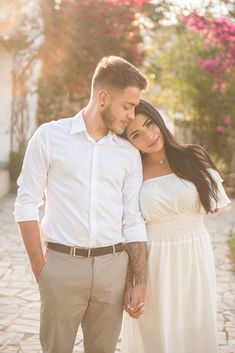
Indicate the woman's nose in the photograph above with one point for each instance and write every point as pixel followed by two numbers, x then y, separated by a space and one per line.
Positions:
pixel 149 136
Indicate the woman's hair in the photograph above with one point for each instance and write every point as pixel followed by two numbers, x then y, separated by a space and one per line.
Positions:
pixel 190 162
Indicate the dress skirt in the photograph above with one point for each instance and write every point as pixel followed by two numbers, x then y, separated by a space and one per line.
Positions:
pixel 180 305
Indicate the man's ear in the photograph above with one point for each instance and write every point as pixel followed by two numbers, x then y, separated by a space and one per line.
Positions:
pixel 103 97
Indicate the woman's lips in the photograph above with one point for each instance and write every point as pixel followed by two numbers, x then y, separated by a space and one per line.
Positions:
pixel 155 141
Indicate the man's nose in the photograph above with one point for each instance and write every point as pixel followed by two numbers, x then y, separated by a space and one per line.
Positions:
pixel 131 114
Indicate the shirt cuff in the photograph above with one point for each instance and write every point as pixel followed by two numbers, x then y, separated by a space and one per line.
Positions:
pixel 27 212
pixel 135 233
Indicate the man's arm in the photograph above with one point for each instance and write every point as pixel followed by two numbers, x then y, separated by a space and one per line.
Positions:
pixel 135 234
pixel 32 182
pixel 136 311
pixel 137 252
pixel 129 278
pixel 30 232
pixel 137 276
pixel 128 288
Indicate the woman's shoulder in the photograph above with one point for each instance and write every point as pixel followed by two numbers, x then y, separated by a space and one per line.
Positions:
pixel 216 175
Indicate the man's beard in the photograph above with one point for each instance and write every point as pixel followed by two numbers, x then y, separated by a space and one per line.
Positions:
pixel 109 118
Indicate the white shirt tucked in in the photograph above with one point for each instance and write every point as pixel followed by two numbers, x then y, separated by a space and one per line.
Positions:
pixel 91 188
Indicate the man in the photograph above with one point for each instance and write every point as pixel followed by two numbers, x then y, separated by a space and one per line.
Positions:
pixel 91 180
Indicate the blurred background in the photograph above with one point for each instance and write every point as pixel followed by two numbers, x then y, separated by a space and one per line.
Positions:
pixel 49 49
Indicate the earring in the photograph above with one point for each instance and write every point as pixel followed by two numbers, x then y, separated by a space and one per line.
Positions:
pixel 102 105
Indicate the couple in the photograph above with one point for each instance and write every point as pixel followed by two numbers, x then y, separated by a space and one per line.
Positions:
pixel 95 236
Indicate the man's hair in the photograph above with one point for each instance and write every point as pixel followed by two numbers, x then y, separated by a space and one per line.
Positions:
pixel 116 72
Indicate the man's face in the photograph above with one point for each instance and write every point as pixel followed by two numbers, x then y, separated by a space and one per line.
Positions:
pixel 120 110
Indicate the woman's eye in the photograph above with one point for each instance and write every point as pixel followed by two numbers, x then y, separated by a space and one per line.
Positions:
pixel 135 136
pixel 149 122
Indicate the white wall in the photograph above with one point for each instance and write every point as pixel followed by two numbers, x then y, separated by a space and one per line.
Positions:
pixel 5 117
pixel 5 103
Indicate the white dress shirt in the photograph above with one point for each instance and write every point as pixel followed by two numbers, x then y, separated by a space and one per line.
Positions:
pixel 91 188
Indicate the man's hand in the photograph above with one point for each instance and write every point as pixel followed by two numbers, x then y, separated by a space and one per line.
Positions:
pixel 37 270
pixel 134 300
pixel 30 232
pixel 137 295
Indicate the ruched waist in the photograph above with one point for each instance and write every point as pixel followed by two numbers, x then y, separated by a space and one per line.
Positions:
pixel 182 226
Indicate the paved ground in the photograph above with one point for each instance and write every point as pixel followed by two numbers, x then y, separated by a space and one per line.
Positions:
pixel 19 308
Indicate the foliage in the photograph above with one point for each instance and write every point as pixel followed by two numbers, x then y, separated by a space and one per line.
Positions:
pixel 15 164
pixel 219 43
pixel 185 63
pixel 21 33
pixel 78 34
pixel 219 62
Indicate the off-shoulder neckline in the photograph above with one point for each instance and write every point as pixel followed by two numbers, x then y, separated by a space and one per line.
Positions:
pixel 159 177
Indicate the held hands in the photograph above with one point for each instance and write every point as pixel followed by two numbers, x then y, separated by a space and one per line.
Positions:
pixel 134 300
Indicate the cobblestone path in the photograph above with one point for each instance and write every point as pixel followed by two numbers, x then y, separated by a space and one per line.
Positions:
pixel 19 299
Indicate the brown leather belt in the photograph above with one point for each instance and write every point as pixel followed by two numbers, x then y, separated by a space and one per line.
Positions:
pixel 86 252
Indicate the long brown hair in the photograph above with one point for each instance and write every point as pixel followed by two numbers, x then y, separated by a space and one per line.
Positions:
pixel 189 162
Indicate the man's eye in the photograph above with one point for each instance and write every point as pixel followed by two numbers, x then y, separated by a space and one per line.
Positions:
pixel 129 107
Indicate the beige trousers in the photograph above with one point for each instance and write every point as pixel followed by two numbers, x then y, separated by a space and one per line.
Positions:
pixel 86 291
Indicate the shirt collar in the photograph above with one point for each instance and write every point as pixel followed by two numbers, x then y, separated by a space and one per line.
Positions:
pixel 78 125
pixel 113 136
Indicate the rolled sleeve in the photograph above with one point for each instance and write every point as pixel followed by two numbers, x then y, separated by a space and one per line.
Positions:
pixel 133 223
pixel 33 177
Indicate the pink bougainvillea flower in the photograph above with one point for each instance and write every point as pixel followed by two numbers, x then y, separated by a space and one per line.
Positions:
pixel 221 129
pixel 228 120
pixel 209 64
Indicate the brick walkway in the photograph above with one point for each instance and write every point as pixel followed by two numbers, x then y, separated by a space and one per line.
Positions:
pixel 19 308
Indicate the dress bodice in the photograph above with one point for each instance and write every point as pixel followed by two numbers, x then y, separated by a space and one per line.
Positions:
pixel 168 195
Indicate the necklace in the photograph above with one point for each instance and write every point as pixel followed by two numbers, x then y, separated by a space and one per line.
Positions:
pixel 161 161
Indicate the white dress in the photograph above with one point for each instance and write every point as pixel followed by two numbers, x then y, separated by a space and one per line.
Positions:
pixel 180 305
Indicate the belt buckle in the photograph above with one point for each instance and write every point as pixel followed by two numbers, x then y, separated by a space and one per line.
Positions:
pixel 74 248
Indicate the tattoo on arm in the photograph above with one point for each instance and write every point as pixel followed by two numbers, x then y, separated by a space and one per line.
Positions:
pixel 129 277
pixel 137 269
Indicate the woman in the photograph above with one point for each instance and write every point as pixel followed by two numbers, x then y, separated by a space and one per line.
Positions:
pixel 180 185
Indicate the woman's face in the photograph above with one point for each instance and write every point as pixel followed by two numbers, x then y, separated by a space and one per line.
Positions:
pixel 144 134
